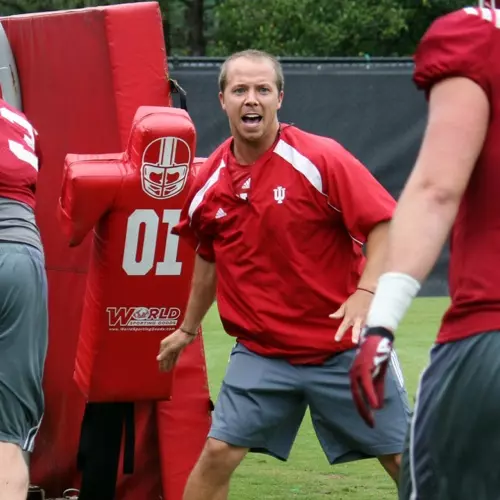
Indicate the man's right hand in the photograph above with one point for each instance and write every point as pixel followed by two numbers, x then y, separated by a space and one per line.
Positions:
pixel 368 371
pixel 171 348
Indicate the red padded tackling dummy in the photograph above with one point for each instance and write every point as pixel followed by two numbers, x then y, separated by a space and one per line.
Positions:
pixel 83 74
pixel 137 286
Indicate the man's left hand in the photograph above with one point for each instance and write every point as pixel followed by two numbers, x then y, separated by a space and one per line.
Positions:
pixel 353 311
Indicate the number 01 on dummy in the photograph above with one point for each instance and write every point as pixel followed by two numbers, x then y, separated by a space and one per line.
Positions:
pixel 139 276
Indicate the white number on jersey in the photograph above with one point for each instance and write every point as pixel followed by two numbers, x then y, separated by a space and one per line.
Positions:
pixel 135 266
pixel 18 149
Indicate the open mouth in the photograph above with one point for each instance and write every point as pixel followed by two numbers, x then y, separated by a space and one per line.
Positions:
pixel 251 118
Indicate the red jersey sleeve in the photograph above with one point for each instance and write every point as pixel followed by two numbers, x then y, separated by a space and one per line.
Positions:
pixel 457 44
pixel 354 192
pixel 205 250
pixel 189 227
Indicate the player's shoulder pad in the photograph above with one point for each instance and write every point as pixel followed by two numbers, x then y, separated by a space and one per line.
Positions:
pixel 456 44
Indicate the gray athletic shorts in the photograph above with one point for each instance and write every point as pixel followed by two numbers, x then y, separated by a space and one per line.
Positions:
pixel 23 342
pixel 263 400
pixel 453 448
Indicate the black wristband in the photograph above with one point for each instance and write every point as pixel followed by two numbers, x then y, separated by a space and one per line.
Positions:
pixel 380 331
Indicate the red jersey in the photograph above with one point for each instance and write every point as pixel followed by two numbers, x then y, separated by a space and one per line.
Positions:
pixel 19 158
pixel 287 240
pixel 467 43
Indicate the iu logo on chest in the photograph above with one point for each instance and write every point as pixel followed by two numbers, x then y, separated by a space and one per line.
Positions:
pixel 279 194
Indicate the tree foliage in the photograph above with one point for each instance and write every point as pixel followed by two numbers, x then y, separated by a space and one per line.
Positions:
pixel 308 27
pixel 283 27
pixel 326 27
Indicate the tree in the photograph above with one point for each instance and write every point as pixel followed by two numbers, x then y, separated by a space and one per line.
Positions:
pixel 283 27
pixel 325 27
pixel 185 26
pixel 419 15
pixel 185 21
pixel 188 25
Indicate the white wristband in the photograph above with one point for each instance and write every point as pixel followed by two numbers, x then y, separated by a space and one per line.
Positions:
pixel 394 294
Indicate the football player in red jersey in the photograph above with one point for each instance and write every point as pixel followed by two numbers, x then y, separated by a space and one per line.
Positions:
pixel 23 302
pixel 454 441
pixel 278 217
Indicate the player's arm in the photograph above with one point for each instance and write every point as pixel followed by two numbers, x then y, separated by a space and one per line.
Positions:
pixel 192 229
pixel 452 66
pixel 376 246
pixel 203 284
pixel 366 208
pixel 456 129
pixel 201 297
pixel 202 294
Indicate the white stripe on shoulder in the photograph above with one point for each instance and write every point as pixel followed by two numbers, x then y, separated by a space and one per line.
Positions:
pixel 307 168
pixel 198 197
pixel 485 13
pixel 299 162
pixel 473 11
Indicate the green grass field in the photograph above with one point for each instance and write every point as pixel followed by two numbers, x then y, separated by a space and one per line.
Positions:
pixel 307 474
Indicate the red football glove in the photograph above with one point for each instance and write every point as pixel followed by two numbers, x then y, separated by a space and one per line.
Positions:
pixel 368 371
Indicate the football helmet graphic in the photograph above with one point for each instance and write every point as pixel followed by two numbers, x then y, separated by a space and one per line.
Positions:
pixel 164 168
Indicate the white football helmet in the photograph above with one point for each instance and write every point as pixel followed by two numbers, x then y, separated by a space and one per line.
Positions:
pixel 165 164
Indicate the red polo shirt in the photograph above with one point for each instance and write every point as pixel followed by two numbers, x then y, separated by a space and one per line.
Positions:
pixel 286 234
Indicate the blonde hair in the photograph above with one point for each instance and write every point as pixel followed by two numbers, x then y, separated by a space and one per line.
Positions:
pixel 252 54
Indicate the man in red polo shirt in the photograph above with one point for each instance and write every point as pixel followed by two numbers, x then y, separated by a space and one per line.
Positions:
pixel 279 218
pixel 454 443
